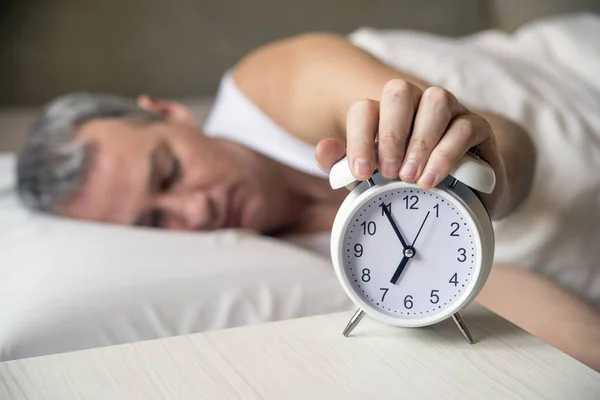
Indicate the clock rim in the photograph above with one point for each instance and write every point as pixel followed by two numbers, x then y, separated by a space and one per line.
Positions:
pixel 461 197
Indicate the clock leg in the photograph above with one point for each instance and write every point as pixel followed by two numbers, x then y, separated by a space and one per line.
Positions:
pixel 354 322
pixel 462 327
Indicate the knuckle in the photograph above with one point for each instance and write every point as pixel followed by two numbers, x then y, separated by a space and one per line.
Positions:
pixel 389 139
pixel 438 96
pixel 419 146
pixel 362 105
pixel 468 129
pixel 390 147
pixel 443 158
pixel 482 126
pixel 397 88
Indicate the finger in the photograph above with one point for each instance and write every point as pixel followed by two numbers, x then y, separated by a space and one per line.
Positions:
pixel 399 101
pixel 436 109
pixel 464 132
pixel 328 152
pixel 361 127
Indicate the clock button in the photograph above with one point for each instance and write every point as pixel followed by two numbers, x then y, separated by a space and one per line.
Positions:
pixel 475 173
pixel 341 175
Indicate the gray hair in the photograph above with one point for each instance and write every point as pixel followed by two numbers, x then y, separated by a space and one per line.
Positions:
pixel 50 165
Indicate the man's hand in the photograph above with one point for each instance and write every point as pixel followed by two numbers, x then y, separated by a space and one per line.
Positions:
pixel 309 85
pixel 419 135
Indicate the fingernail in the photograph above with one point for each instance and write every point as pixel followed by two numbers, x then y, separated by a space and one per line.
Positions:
pixel 389 168
pixel 362 168
pixel 408 171
pixel 427 179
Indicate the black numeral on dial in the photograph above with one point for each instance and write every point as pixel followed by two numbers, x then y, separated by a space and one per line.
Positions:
pixel 385 207
pixel 455 225
pixel 358 250
pixel 411 202
pixel 454 279
pixel 366 275
pixel 462 255
pixel 385 290
pixel 433 297
pixel 369 227
pixel 408 304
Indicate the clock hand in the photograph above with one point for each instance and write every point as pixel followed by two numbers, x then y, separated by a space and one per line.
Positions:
pixel 388 214
pixel 422 224
pixel 399 270
pixel 409 251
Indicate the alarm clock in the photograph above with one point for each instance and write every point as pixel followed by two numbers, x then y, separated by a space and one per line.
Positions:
pixel 411 257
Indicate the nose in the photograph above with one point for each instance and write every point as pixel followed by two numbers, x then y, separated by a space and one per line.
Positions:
pixel 191 211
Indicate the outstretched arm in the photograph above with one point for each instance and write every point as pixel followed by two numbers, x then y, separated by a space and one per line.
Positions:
pixel 545 310
pixel 319 86
pixel 325 91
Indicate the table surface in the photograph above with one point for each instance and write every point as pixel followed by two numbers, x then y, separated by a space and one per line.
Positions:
pixel 309 358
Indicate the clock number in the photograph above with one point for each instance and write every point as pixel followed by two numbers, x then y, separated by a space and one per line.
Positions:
pixel 385 207
pixel 437 210
pixel 385 290
pixel 369 228
pixel 463 255
pixel 456 225
pixel 434 295
pixel 408 304
pixel 358 250
pixel 414 199
pixel 454 279
pixel 366 275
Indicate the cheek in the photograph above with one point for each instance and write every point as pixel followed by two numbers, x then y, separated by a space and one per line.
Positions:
pixel 198 166
pixel 263 211
pixel 199 174
pixel 175 225
pixel 206 171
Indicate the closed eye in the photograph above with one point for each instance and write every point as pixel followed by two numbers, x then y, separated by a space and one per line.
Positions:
pixel 173 176
pixel 151 219
pixel 156 219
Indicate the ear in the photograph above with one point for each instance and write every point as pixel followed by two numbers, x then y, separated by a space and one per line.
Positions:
pixel 172 110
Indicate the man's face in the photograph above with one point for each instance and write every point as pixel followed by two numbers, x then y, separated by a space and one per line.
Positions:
pixel 168 174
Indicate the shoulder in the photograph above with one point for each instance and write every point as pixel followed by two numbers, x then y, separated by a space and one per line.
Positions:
pixel 286 80
pixel 272 64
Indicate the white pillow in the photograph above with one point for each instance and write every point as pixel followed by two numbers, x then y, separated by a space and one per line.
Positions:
pixel 68 285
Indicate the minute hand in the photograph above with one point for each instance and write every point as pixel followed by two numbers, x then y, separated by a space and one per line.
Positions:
pixel 389 217
pixel 422 224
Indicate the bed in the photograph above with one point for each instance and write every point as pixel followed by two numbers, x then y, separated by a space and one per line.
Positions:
pixel 68 285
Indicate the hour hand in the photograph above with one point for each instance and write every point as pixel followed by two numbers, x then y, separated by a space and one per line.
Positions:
pixel 399 270
pixel 388 214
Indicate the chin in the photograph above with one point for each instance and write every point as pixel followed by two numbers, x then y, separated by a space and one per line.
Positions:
pixel 251 218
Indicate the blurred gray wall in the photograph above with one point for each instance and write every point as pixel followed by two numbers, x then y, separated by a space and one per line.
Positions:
pixel 510 14
pixel 180 48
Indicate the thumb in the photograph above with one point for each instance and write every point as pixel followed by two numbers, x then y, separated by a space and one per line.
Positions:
pixel 328 152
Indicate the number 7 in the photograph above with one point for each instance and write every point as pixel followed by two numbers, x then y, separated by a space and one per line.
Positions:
pixel 385 290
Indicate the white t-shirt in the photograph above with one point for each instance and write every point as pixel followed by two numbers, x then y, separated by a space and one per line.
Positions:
pixel 546 77
pixel 236 118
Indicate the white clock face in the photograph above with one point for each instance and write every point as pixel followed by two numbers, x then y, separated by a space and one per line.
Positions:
pixel 426 275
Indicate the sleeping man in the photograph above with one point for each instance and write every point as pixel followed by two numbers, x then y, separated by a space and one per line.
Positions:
pixel 252 165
